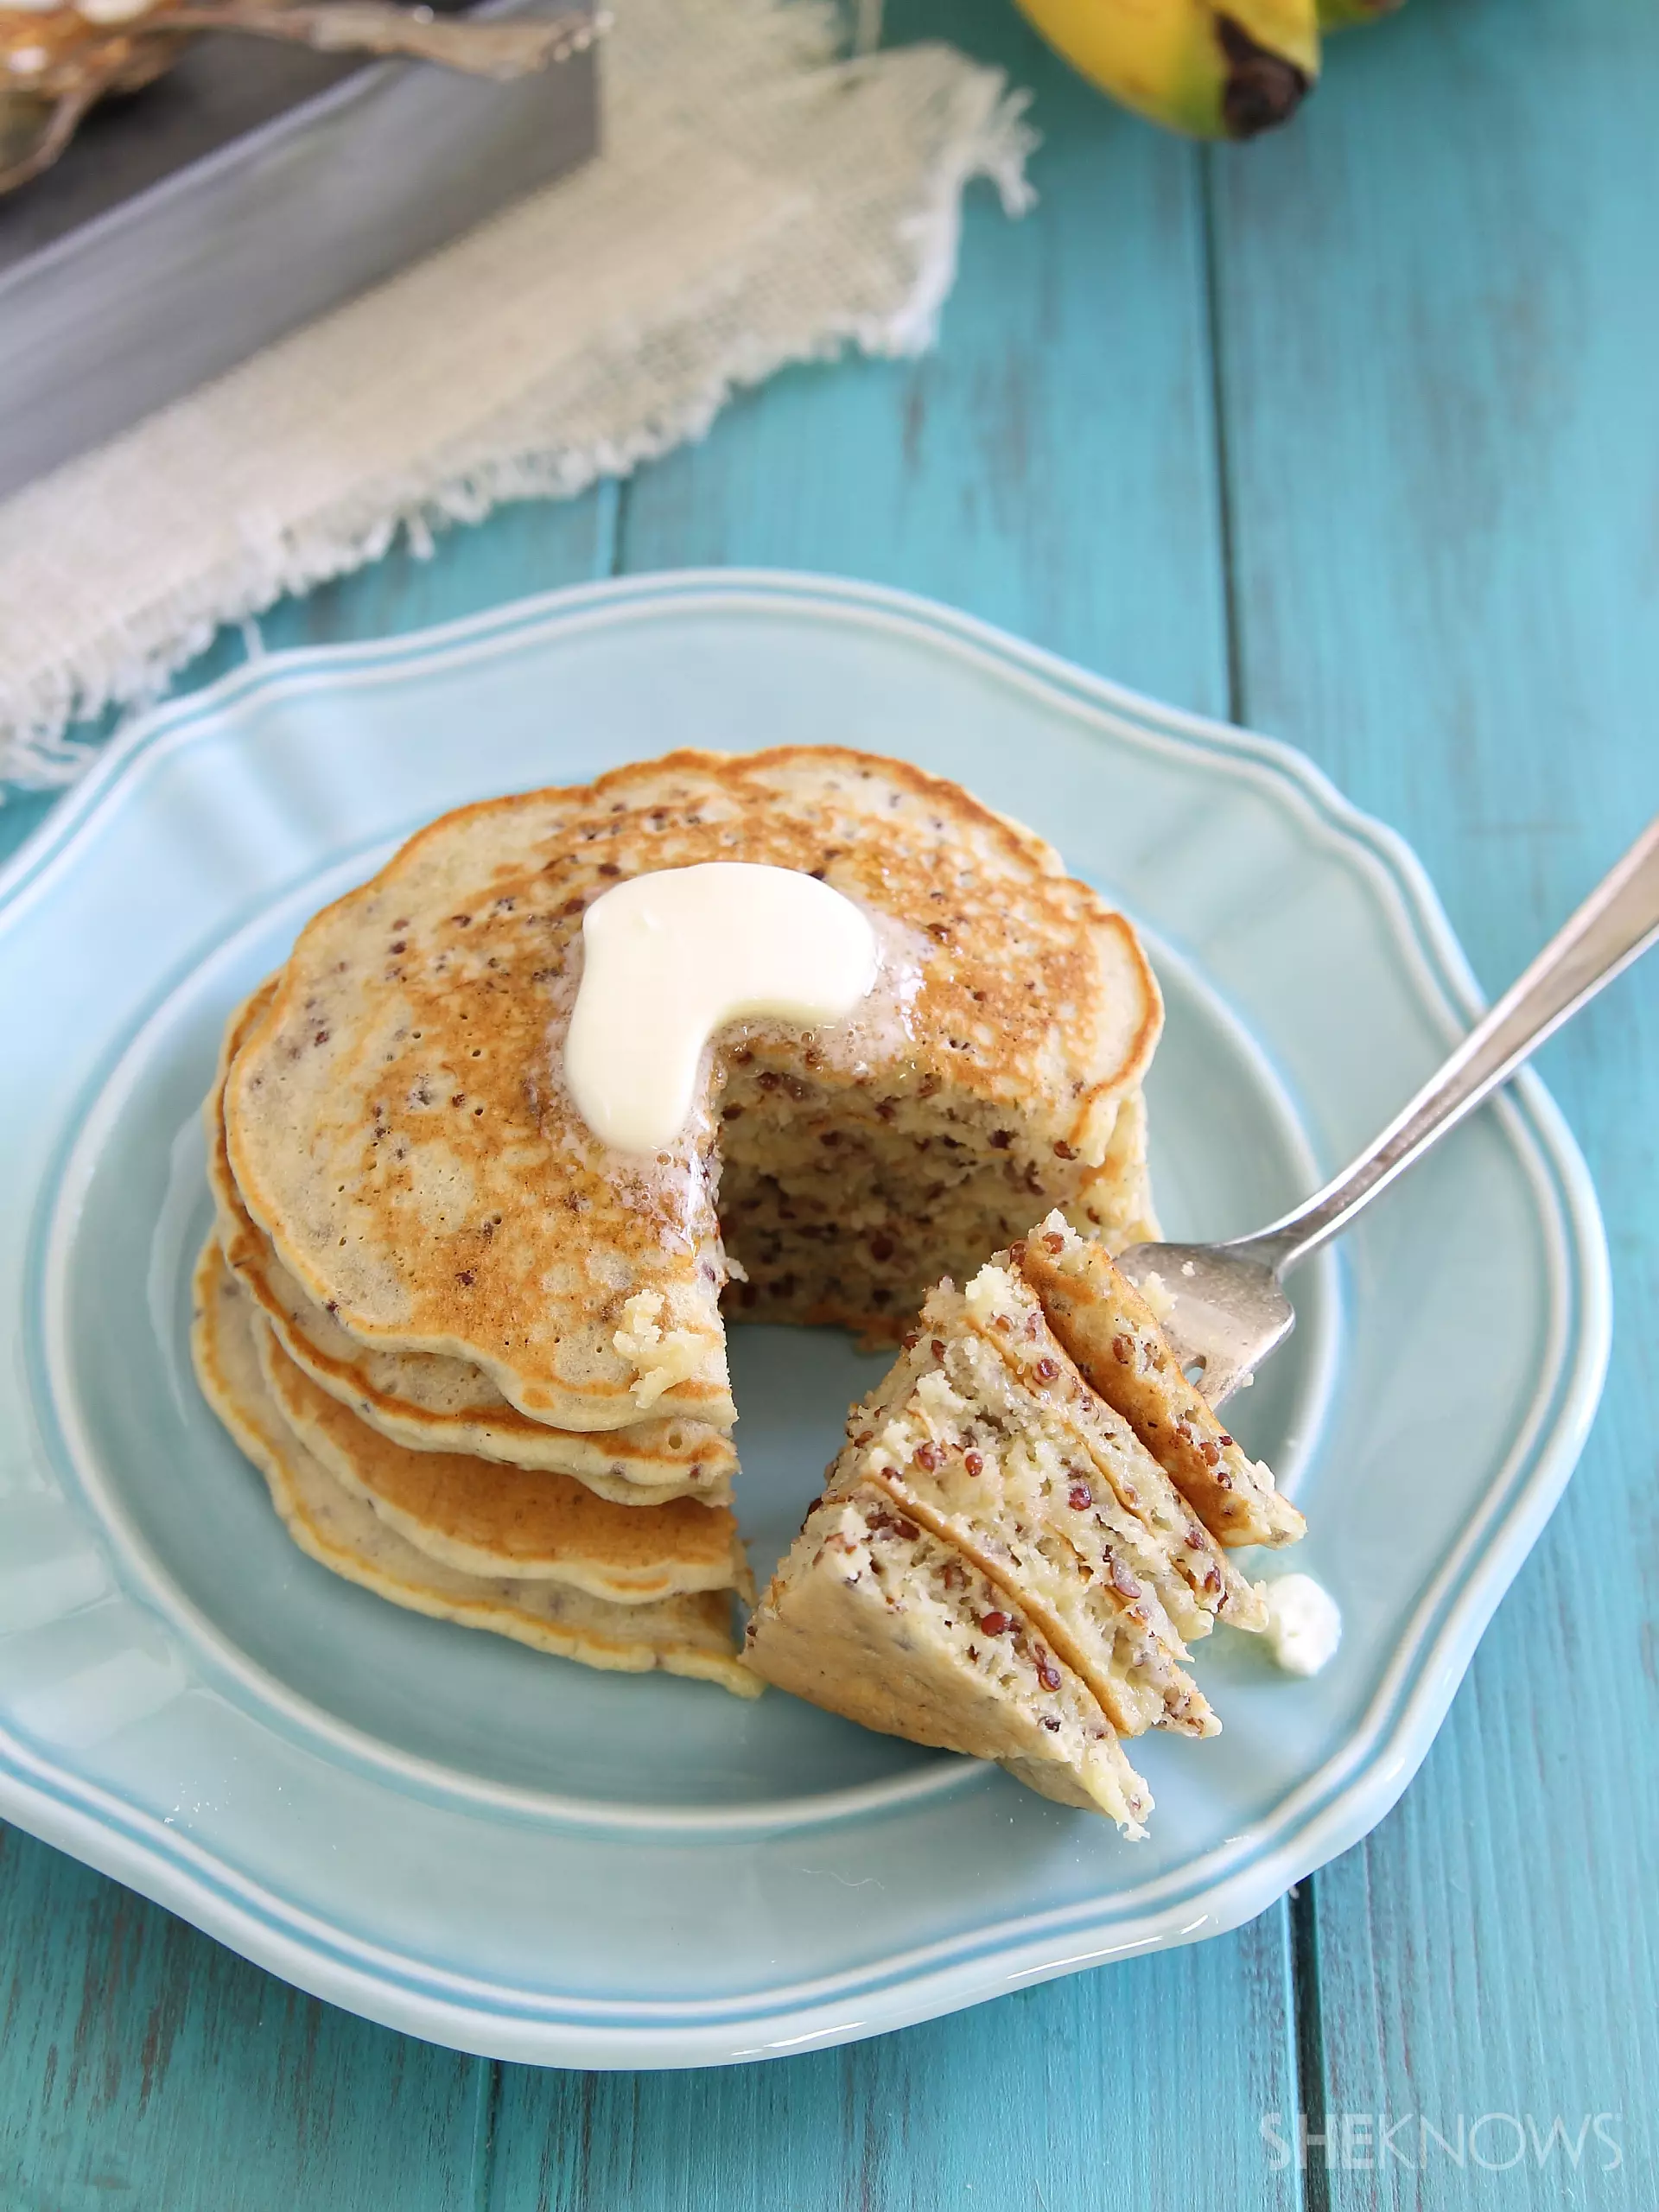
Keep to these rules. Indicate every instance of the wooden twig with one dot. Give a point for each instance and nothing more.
(60, 119)
(495, 49)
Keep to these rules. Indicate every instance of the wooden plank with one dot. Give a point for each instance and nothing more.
(1438, 330)
(1140, 2085)
(529, 545)
(1052, 467)
(143, 2064)
(20, 813)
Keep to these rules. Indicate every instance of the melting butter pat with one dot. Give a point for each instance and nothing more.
(669, 959)
(1304, 1623)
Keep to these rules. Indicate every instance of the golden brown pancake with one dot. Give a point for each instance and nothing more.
(491, 1520)
(398, 1128)
(688, 1634)
(436, 1404)
(1110, 1331)
(874, 1617)
(991, 1510)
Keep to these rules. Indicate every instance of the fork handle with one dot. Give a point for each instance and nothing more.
(1617, 921)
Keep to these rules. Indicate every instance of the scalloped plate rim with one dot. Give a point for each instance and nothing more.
(1331, 1810)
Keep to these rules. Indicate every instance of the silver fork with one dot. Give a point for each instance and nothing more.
(1227, 1307)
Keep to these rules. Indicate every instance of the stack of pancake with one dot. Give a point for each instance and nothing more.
(481, 1359)
(410, 1473)
(1026, 1526)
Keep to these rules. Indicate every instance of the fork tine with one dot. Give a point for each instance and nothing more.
(1221, 1314)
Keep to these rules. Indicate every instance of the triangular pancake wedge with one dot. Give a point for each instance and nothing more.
(874, 1617)
(998, 1561)
(1113, 1335)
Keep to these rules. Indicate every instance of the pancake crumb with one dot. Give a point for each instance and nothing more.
(663, 1358)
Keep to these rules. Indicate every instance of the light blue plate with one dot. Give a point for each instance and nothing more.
(504, 1852)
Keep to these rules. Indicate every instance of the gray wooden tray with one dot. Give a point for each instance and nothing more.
(251, 188)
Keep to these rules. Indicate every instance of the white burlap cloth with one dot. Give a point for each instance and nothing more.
(759, 201)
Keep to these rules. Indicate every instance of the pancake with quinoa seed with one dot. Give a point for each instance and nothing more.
(494, 1520)
(1067, 1574)
(688, 1634)
(432, 1403)
(399, 1133)
(1113, 1335)
(874, 1617)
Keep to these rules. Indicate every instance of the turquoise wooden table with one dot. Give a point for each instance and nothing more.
(1352, 435)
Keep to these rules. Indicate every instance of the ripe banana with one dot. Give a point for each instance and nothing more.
(1214, 71)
